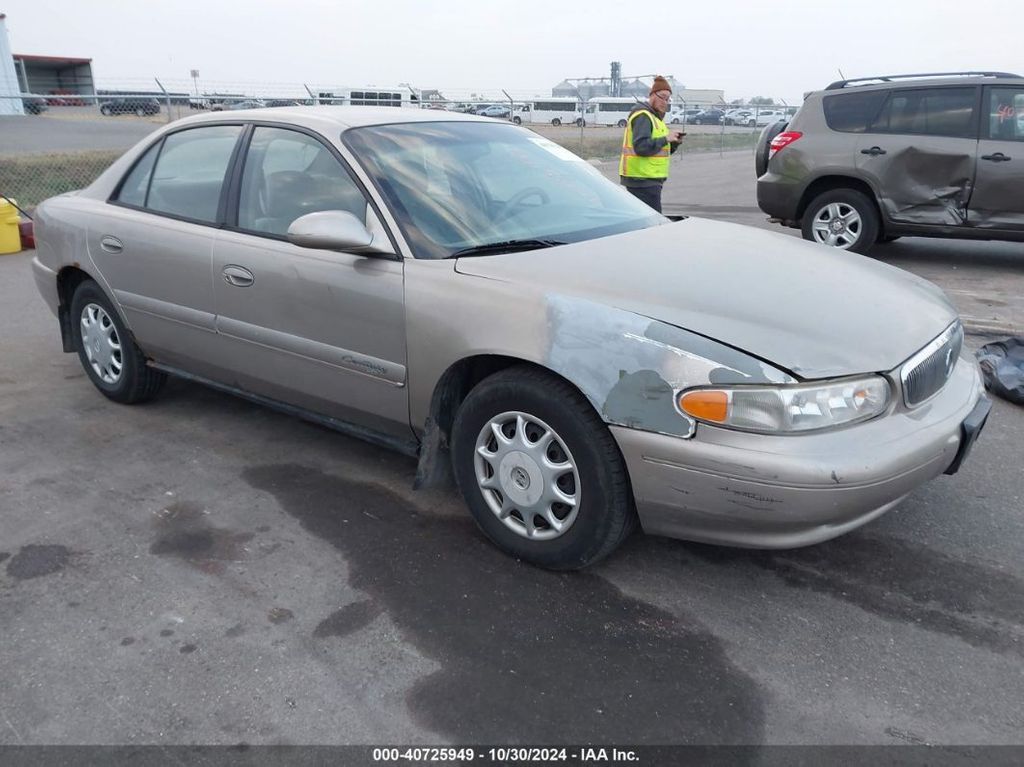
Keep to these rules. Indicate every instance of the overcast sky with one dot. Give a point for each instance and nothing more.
(747, 48)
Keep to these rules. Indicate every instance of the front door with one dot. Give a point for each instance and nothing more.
(919, 155)
(318, 329)
(998, 201)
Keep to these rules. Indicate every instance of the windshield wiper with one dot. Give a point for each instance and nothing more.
(506, 246)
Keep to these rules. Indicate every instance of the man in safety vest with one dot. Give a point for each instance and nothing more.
(647, 144)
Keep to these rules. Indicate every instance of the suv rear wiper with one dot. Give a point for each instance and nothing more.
(506, 246)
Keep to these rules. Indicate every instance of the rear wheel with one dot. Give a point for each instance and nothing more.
(841, 218)
(621, 123)
(580, 122)
(540, 472)
(556, 122)
(113, 362)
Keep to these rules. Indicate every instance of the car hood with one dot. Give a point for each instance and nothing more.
(814, 311)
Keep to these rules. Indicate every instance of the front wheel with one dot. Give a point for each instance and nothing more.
(540, 472)
(113, 362)
(517, 120)
(841, 218)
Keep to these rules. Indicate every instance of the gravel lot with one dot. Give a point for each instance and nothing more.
(202, 570)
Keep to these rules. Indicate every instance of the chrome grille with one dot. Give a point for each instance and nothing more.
(925, 373)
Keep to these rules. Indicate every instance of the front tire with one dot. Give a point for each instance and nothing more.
(841, 218)
(540, 472)
(517, 120)
(107, 351)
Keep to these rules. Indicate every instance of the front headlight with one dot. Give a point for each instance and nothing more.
(788, 409)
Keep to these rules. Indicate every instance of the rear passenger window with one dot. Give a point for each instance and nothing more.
(289, 174)
(1006, 114)
(133, 190)
(853, 112)
(190, 172)
(930, 112)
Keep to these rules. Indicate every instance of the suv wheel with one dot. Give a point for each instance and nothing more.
(540, 471)
(841, 218)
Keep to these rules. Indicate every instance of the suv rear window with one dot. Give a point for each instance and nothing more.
(853, 112)
(930, 112)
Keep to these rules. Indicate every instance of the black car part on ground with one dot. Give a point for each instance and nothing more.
(1002, 367)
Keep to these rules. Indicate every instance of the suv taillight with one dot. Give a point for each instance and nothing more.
(783, 140)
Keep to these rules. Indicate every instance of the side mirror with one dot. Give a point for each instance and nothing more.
(337, 230)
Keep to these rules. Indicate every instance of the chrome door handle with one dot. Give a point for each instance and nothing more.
(238, 276)
(997, 157)
(111, 244)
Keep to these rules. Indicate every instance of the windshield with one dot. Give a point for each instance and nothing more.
(460, 185)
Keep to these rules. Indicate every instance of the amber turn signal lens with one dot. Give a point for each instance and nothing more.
(705, 404)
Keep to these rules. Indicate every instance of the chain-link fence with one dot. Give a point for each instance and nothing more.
(65, 140)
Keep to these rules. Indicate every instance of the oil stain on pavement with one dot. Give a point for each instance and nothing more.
(36, 560)
(183, 532)
(526, 656)
(898, 580)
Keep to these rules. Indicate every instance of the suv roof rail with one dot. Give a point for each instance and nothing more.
(838, 84)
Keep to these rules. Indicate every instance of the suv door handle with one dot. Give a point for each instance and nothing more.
(873, 151)
(997, 157)
(238, 277)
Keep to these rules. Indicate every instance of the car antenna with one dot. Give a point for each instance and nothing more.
(841, 75)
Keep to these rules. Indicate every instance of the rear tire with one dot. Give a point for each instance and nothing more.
(621, 123)
(580, 122)
(858, 217)
(514, 499)
(556, 122)
(107, 351)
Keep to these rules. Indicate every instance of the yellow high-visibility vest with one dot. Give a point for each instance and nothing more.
(633, 165)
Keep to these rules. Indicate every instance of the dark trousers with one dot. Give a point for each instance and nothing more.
(648, 194)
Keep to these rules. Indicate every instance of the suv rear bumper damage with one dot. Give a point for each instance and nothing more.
(779, 197)
(760, 491)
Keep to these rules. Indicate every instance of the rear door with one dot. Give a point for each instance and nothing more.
(153, 245)
(998, 199)
(319, 329)
(919, 155)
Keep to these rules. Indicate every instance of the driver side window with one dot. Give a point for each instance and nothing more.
(288, 174)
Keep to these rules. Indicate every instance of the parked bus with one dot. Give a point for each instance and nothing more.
(608, 110)
(369, 97)
(555, 110)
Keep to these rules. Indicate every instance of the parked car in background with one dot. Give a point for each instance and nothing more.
(246, 104)
(677, 116)
(765, 117)
(127, 106)
(281, 103)
(870, 160)
(737, 116)
(709, 117)
(495, 110)
(34, 106)
(470, 293)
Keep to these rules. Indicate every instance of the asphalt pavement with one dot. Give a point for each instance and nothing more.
(203, 570)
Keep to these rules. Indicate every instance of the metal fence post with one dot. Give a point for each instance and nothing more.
(167, 99)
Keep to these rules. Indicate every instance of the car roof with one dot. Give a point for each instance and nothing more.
(342, 116)
(913, 81)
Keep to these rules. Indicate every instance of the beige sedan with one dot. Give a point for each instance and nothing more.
(470, 293)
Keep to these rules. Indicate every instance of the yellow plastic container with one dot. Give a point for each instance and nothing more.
(10, 237)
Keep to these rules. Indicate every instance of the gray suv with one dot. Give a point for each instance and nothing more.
(870, 160)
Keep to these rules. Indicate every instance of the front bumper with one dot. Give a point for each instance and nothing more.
(761, 491)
